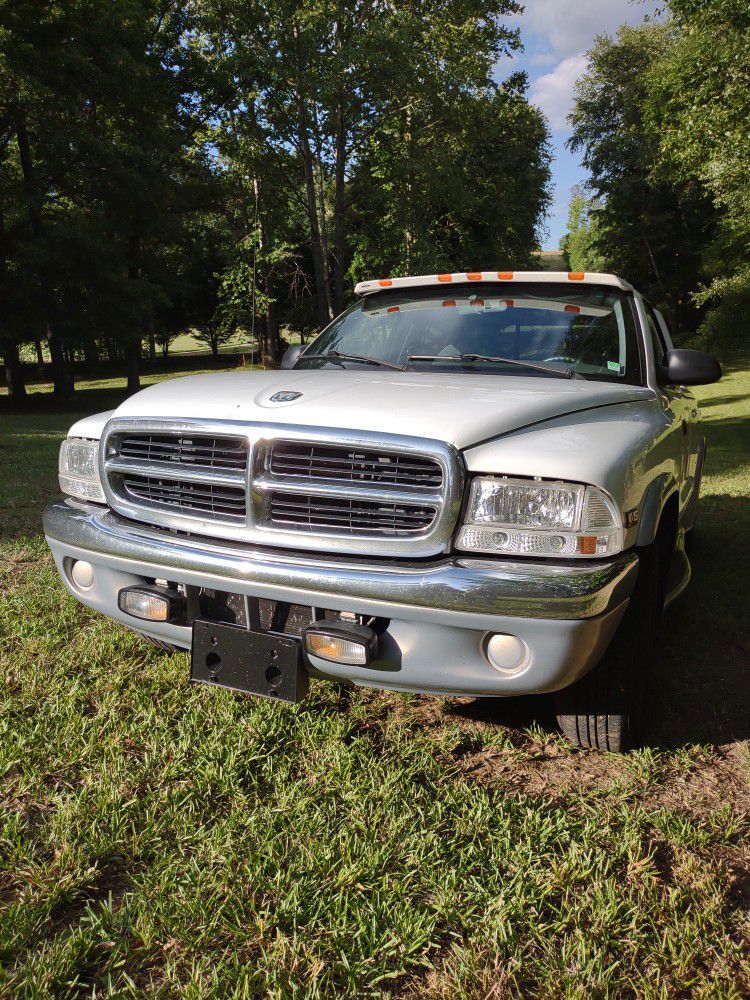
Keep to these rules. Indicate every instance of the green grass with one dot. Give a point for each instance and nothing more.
(163, 840)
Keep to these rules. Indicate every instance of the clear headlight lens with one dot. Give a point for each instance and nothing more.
(534, 518)
(79, 471)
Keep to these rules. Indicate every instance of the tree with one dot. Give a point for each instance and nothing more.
(652, 228)
(318, 85)
(579, 245)
(92, 129)
(453, 182)
(699, 105)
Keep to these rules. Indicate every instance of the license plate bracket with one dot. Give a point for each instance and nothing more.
(260, 663)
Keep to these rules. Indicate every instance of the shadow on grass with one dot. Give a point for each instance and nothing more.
(89, 398)
(728, 445)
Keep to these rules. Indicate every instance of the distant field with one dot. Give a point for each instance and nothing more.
(551, 260)
(162, 840)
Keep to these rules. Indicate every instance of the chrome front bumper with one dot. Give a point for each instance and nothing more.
(439, 611)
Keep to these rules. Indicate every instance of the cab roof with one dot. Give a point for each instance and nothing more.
(495, 277)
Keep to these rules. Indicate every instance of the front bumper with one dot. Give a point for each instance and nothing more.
(439, 612)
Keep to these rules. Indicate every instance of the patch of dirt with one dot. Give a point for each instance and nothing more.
(512, 715)
(712, 784)
(551, 773)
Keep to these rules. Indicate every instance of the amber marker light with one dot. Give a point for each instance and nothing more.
(445, 277)
(385, 282)
(505, 275)
(576, 275)
(474, 275)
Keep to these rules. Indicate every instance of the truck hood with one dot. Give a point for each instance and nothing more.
(460, 408)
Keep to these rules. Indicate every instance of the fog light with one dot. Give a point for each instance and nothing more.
(82, 574)
(342, 642)
(153, 604)
(507, 653)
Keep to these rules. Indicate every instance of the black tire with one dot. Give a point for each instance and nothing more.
(165, 647)
(605, 709)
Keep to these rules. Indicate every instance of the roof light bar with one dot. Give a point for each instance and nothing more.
(488, 277)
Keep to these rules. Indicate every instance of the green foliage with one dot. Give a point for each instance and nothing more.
(452, 183)
(581, 240)
(661, 119)
(221, 164)
(700, 104)
(92, 140)
(651, 229)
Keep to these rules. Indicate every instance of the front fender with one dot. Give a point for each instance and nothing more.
(630, 450)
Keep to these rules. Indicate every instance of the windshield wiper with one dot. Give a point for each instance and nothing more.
(559, 372)
(340, 356)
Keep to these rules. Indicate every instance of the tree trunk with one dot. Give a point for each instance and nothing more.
(133, 347)
(133, 364)
(13, 370)
(271, 339)
(91, 355)
(320, 264)
(261, 339)
(62, 377)
(339, 214)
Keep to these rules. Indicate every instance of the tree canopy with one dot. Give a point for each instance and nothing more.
(228, 165)
(661, 120)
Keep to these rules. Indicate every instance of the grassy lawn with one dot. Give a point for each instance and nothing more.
(164, 840)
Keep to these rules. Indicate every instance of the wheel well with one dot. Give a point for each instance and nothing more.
(666, 531)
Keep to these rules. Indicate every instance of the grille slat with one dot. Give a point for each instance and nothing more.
(197, 451)
(353, 465)
(226, 502)
(349, 515)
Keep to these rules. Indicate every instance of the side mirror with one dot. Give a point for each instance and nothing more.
(291, 356)
(686, 367)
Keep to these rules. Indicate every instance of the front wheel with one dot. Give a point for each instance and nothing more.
(605, 709)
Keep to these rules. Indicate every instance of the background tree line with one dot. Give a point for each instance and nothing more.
(232, 165)
(662, 120)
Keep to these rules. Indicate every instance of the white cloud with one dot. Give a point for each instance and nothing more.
(569, 28)
(556, 33)
(553, 92)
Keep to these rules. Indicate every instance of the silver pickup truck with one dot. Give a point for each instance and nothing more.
(468, 484)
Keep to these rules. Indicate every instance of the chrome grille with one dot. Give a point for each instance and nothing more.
(353, 516)
(313, 489)
(333, 463)
(195, 450)
(225, 502)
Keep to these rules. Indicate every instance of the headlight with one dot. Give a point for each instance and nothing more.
(535, 518)
(79, 471)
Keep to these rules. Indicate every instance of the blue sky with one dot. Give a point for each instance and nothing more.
(556, 36)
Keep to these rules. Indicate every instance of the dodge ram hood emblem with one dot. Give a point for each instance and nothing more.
(285, 396)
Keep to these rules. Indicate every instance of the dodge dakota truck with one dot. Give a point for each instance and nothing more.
(476, 484)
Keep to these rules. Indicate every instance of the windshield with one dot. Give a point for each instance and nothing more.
(587, 330)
